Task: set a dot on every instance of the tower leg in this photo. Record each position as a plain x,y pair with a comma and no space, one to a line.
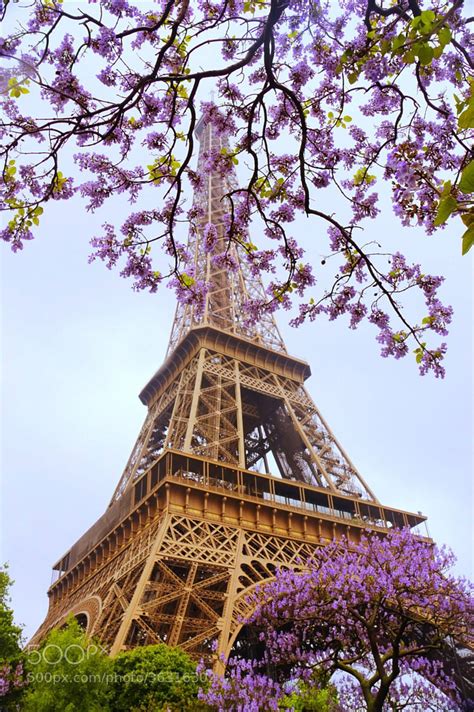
132,609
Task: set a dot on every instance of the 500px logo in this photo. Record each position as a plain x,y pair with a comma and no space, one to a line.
49,677
53,654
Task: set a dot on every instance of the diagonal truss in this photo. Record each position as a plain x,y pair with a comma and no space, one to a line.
227,410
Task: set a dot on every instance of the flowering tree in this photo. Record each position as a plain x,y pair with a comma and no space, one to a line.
324,102
12,680
376,616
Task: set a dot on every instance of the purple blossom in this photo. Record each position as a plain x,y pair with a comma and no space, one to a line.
107,76
191,292
300,74
373,610
210,237
11,677
358,312
225,261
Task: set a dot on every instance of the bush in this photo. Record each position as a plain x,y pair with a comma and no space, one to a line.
154,678
69,672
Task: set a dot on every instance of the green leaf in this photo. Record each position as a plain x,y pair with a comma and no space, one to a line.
445,208
59,182
187,280
468,218
250,246
468,240
446,188
427,17
466,184
444,35
398,42
466,119
361,176
425,53
409,57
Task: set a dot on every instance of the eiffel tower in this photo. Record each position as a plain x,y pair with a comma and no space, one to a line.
234,473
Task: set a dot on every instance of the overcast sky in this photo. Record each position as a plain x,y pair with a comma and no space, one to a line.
78,345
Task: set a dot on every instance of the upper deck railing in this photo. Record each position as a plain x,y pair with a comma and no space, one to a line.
194,471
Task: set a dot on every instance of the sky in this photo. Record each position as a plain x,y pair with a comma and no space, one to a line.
78,345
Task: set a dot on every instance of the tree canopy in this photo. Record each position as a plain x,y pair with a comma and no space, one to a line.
69,672
72,672
155,677
352,105
376,618
11,659
10,633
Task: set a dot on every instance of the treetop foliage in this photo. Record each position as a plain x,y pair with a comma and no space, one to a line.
10,633
11,659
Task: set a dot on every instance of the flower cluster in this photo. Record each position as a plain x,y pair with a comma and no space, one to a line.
11,678
298,86
244,689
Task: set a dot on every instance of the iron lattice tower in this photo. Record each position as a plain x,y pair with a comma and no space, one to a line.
197,520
